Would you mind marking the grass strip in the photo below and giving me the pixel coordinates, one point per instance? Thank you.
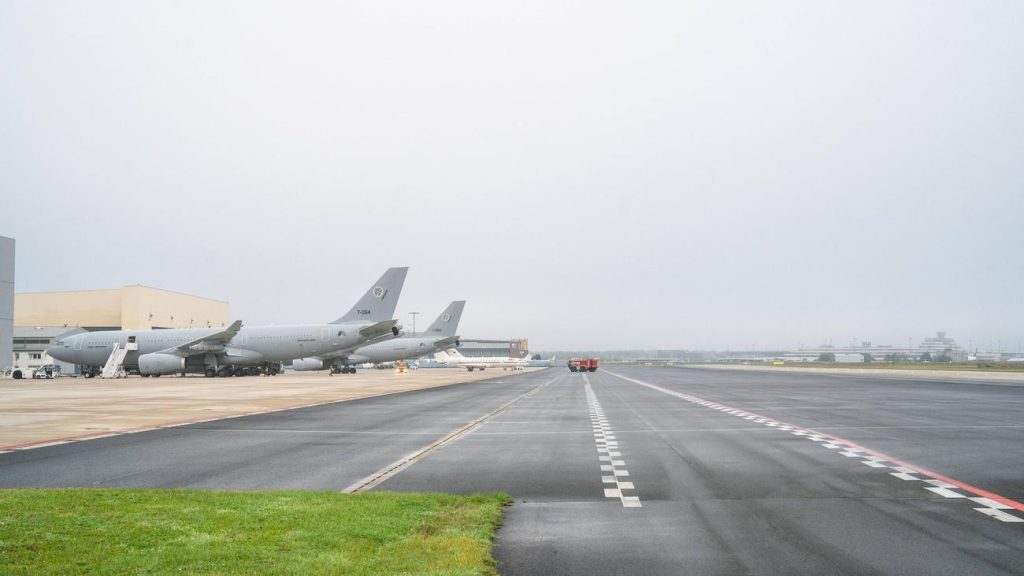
(142, 531)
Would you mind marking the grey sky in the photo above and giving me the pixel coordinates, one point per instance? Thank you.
(589, 175)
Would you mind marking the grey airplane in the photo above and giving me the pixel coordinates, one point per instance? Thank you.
(438, 336)
(238, 351)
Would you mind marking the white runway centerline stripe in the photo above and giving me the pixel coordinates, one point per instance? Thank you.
(940, 485)
(375, 479)
(607, 449)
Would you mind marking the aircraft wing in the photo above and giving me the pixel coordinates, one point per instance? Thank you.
(210, 343)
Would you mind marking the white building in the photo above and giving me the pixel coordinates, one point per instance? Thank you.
(30, 344)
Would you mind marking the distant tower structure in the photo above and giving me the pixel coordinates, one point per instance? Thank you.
(939, 345)
(6, 303)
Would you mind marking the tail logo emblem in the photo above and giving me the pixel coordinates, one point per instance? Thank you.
(379, 292)
(446, 317)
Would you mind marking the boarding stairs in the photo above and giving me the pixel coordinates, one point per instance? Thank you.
(114, 368)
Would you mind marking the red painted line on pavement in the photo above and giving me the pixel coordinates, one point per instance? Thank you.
(923, 471)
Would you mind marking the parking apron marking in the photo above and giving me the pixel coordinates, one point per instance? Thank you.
(613, 469)
(992, 505)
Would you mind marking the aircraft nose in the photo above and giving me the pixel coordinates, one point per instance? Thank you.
(61, 351)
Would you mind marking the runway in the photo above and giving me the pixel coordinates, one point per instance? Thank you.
(641, 470)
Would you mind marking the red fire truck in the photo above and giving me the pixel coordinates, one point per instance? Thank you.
(583, 365)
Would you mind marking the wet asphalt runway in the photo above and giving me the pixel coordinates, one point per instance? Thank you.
(643, 470)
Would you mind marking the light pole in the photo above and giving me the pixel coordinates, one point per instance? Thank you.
(413, 314)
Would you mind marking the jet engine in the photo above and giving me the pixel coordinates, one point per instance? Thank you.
(307, 364)
(158, 363)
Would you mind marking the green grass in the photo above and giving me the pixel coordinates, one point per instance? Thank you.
(100, 531)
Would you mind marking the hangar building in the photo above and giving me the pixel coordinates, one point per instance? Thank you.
(128, 308)
(515, 348)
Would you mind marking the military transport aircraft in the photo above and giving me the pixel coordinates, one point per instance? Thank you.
(235, 350)
(438, 336)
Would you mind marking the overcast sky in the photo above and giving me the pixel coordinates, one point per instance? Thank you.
(585, 174)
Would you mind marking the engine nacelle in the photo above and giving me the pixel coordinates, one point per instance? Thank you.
(157, 363)
(303, 364)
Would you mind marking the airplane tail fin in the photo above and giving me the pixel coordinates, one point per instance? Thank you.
(454, 354)
(448, 322)
(379, 302)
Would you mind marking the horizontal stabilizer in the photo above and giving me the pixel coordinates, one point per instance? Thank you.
(385, 328)
(448, 342)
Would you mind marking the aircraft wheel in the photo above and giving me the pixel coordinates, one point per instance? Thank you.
(223, 372)
(352, 370)
(238, 372)
(210, 372)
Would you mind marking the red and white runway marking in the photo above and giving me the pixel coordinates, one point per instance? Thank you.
(991, 504)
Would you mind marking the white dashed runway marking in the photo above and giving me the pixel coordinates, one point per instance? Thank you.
(613, 470)
(993, 505)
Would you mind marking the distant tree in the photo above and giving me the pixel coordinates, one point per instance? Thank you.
(868, 357)
(826, 357)
(926, 357)
(943, 358)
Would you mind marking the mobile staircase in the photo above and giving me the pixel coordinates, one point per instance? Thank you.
(114, 368)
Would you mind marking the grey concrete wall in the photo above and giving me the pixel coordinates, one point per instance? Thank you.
(6, 302)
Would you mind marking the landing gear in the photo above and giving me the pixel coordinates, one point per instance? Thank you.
(223, 372)
(210, 372)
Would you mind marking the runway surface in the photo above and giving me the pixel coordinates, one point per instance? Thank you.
(641, 470)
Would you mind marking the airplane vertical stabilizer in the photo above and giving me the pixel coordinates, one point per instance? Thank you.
(379, 302)
(448, 322)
